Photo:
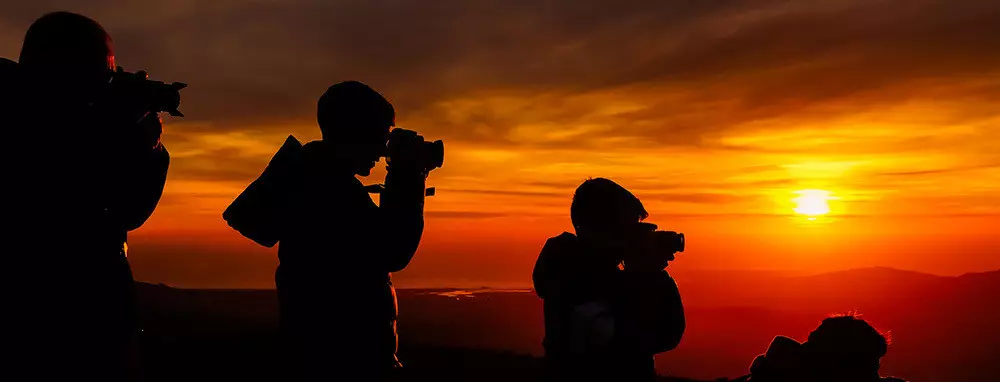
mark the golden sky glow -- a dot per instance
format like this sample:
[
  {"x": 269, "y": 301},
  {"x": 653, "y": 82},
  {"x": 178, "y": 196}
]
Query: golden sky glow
[{"x": 720, "y": 116}]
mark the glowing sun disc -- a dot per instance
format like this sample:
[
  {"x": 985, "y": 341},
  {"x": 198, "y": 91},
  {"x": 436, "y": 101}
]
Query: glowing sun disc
[{"x": 812, "y": 202}]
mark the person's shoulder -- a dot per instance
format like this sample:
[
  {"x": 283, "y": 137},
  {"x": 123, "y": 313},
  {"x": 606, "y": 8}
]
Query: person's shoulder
[
  {"x": 565, "y": 236},
  {"x": 315, "y": 155},
  {"x": 312, "y": 150},
  {"x": 9, "y": 79},
  {"x": 8, "y": 68},
  {"x": 559, "y": 245},
  {"x": 563, "y": 239}
]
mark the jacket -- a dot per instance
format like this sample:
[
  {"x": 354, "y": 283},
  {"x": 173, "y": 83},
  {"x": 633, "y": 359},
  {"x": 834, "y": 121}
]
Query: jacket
[{"x": 644, "y": 309}]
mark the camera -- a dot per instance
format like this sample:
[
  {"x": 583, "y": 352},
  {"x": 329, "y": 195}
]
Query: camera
[
  {"x": 136, "y": 90},
  {"x": 668, "y": 241},
  {"x": 147, "y": 95},
  {"x": 407, "y": 144},
  {"x": 657, "y": 247}
]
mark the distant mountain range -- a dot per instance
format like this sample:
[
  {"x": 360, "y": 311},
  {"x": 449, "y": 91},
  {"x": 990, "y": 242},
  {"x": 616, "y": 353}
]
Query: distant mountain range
[{"x": 943, "y": 329}]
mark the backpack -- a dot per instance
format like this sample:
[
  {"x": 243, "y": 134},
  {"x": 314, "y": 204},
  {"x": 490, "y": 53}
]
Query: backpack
[{"x": 258, "y": 212}]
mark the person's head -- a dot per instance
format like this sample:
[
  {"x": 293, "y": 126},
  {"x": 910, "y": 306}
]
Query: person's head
[
  {"x": 847, "y": 348},
  {"x": 603, "y": 206},
  {"x": 67, "y": 48},
  {"x": 356, "y": 119}
]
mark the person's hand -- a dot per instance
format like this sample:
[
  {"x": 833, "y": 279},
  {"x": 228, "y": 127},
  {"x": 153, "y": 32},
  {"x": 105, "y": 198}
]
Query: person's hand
[
  {"x": 404, "y": 149},
  {"x": 124, "y": 96},
  {"x": 148, "y": 131},
  {"x": 648, "y": 262},
  {"x": 119, "y": 104},
  {"x": 645, "y": 255}
]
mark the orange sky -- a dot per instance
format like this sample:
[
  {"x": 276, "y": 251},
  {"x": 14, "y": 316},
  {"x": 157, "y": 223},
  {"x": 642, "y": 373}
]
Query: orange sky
[{"x": 713, "y": 113}]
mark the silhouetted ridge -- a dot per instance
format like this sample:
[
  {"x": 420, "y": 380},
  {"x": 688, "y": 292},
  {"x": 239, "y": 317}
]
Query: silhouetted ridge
[
  {"x": 243, "y": 322},
  {"x": 871, "y": 273}
]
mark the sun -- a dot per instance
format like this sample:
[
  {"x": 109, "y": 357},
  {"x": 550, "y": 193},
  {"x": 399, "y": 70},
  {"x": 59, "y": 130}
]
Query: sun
[{"x": 812, "y": 203}]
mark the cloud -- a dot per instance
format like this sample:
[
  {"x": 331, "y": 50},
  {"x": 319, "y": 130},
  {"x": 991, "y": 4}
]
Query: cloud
[
  {"x": 719, "y": 63},
  {"x": 510, "y": 193},
  {"x": 697, "y": 101},
  {"x": 464, "y": 214},
  {"x": 709, "y": 110},
  {"x": 696, "y": 198},
  {"x": 938, "y": 171}
]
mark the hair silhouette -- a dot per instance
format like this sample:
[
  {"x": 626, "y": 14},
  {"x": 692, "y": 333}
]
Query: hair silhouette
[
  {"x": 350, "y": 108},
  {"x": 846, "y": 347},
  {"x": 600, "y": 201},
  {"x": 67, "y": 47}
]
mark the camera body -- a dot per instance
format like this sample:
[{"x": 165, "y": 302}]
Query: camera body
[
  {"x": 145, "y": 94},
  {"x": 655, "y": 247},
  {"x": 668, "y": 241},
  {"x": 407, "y": 145}
]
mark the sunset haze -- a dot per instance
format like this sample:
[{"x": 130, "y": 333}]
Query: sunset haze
[{"x": 719, "y": 115}]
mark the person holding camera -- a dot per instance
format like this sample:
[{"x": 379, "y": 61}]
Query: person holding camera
[
  {"x": 337, "y": 247},
  {"x": 609, "y": 305},
  {"x": 82, "y": 165}
]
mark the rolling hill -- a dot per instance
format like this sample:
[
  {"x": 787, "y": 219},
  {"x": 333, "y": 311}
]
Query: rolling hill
[{"x": 943, "y": 329}]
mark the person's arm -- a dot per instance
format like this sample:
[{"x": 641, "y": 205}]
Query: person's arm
[
  {"x": 651, "y": 315},
  {"x": 543, "y": 276},
  {"x": 141, "y": 174},
  {"x": 401, "y": 217}
]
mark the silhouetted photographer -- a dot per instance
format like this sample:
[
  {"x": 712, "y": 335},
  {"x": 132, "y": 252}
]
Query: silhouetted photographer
[
  {"x": 841, "y": 349},
  {"x": 82, "y": 166},
  {"x": 337, "y": 247},
  {"x": 609, "y": 304}
]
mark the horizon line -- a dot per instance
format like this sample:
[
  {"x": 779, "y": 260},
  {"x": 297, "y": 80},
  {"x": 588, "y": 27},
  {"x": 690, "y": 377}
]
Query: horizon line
[{"x": 528, "y": 287}]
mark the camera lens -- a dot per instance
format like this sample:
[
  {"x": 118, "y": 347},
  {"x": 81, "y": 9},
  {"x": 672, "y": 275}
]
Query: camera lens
[{"x": 435, "y": 154}]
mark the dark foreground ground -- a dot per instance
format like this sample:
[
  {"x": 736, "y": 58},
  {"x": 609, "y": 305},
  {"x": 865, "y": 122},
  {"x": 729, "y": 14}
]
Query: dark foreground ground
[
  {"x": 943, "y": 329},
  {"x": 191, "y": 335}
]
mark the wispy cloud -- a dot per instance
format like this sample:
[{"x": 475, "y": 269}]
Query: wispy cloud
[{"x": 703, "y": 108}]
